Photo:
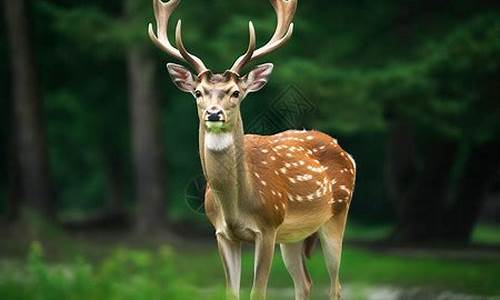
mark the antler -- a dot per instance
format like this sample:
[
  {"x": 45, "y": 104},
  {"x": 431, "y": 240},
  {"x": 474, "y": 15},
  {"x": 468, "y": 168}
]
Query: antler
[
  {"x": 285, "y": 10},
  {"x": 163, "y": 10}
]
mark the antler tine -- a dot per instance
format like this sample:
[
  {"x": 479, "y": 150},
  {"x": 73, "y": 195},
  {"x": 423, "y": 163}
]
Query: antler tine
[
  {"x": 245, "y": 58},
  {"x": 285, "y": 10},
  {"x": 268, "y": 48},
  {"x": 163, "y": 11},
  {"x": 191, "y": 59}
]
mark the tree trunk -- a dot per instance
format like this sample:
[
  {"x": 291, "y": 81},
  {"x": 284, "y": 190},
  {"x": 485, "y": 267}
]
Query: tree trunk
[
  {"x": 14, "y": 188},
  {"x": 115, "y": 184},
  {"x": 426, "y": 212},
  {"x": 480, "y": 172},
  {"x": 422, "y": 212},
  {"x": 146, "y": 142},
  {"x": 419, "y": 192},
  {"x": 30, "y": 141},
  {"x": 401, "y": 164}
]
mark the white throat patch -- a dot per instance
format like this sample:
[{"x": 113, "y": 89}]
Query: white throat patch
[{"x": 218, "y": 141}]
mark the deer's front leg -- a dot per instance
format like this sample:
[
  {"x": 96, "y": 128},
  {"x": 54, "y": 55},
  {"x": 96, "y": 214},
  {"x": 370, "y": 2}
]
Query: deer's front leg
[
  {"x": 230, "y": 253},
  {"x": 264, "y": 251}
]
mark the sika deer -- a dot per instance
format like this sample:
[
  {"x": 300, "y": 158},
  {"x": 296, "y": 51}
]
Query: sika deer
[{"x": 283, "y": 188}]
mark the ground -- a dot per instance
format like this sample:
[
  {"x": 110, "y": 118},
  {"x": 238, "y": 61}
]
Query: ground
[{"x": 119, "y": 267}]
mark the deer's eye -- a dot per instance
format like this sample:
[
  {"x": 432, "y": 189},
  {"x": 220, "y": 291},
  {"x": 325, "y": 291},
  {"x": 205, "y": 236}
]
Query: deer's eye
[
  {"x": 197, "y": 93},
  {"x": 236, "y": 94}
]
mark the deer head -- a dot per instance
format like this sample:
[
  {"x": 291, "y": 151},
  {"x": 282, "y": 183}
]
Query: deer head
[{"x": 218, "y": 95}]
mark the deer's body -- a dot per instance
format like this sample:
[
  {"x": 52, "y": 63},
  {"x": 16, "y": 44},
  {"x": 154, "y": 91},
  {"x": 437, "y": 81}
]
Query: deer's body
[
  {"x": 285, "y": 188},
  {"x": 294, "y": 182}
]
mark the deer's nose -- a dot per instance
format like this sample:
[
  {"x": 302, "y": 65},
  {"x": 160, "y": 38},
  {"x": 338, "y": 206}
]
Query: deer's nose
[
  {"x": 214, "y": 114},
  {"x": 213, "y": 117}
]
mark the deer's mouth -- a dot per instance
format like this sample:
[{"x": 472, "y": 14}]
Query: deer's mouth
[
  {"x": 215, "y": 126},
  {"x": 220, "y": 120}
]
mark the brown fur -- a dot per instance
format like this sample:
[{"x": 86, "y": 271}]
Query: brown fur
[{"x": 278, "y": 199}]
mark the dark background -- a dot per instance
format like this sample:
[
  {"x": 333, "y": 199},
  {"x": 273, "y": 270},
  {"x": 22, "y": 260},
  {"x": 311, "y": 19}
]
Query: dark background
[{"x": 94, "y": 138}]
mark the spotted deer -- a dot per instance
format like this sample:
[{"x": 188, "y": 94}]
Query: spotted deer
[{"x": 285, "y": 188}]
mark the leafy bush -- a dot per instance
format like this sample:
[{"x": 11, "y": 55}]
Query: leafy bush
[{"x": 125, "y": 275}]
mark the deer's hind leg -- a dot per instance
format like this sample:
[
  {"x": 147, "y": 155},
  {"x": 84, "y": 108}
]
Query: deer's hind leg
[
  {"x": 294, "y": 259},
  {"x": 331, "y": 234}
]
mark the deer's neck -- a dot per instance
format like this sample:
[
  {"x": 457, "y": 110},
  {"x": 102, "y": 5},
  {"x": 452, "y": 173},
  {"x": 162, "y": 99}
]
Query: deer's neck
[{"x": 224, "y": 167}]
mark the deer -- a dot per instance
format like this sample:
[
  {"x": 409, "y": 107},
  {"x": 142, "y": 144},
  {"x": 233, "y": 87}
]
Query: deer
[{"x": 288, "y": 188}]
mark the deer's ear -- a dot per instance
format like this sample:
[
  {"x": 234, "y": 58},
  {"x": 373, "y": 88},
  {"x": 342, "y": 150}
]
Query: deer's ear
[
  {"x": 182, "y": 77},
  {"x": 258, "y": 77}
]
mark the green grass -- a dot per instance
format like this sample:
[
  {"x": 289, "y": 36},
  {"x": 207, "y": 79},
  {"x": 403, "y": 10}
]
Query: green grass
[
  {"x": 160, "y": 272},
  {"x": 482, "y": 234},
  {"x": 366, "y": 233},
  {"x": 362, "y": 267},
  {"x": 485, "y": 234},
  {"x": 165, "y": 274}
]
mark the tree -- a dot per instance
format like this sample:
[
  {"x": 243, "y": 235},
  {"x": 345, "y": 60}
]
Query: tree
[
  {"x": 146, "y": 141},
  {"x": 121, "y": 34},
  {"x": 435, "y": 105},
  {"x": 30, "y": 141},
  {"x": 438, "y": 192},
  {"x": 146, "y": 137}
]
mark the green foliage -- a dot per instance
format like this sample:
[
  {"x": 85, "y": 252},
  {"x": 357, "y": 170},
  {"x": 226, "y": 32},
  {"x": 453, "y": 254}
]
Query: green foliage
[
  {"x": 89, "y": 27},
  {"x": 125, "y": 275},
  {"x": 446, "y": 89}
]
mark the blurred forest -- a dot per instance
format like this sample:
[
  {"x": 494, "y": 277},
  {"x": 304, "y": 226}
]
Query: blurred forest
[
  {"x": 93, "y": 132},
  {"x": 94, "y": 137}
]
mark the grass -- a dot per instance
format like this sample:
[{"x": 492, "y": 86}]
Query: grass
[
  {"x": 363, "y": 267},
  {"x": 366, "y": 233},
  {"x": 160, "y": 272},
  {"x": 484, "y": 234}
]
